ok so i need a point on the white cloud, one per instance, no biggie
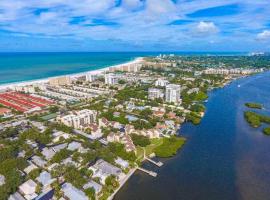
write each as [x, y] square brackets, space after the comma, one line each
[132, 4]
[137, 21]
[265, 35]
[205, 28]
[160, 6]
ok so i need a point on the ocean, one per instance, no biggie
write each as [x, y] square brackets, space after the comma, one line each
[20, 67]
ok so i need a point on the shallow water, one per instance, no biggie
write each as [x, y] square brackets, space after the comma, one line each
[17, 67]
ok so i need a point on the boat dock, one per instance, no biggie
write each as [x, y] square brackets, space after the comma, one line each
[159, 164]
[151, 173]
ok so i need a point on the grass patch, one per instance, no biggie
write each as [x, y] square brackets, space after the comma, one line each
[169, 147]
[154, 144]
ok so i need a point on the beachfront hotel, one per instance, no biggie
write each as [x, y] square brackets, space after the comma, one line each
[173, 93]
[60, 81]
[111, 79]
[90, 77]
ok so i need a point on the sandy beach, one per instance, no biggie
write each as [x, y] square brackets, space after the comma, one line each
[76, 75]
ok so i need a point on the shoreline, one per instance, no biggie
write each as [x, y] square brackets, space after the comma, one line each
[6, 86]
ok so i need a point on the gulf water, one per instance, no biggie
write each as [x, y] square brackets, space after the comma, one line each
[18, 67]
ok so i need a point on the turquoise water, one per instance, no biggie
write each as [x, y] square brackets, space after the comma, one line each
[18, 67]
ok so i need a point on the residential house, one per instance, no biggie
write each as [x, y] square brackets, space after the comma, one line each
[48, 153]
[74, 146]
[103, 169]
[124, 164]
[31, 167]
[95, 131]
[92, 184]
[113, 137]
[45, 179]
[28, 189]
[39, 161]
[129, 145]
[59, 134]
[73, 193]
[16, 196]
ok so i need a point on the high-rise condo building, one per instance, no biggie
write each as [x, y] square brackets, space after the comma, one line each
[173, 93]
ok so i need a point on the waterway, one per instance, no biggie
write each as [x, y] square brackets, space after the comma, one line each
[223, 159]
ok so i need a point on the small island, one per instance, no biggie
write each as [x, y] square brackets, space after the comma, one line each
[266, 131]
[255, 120]
[254, 105]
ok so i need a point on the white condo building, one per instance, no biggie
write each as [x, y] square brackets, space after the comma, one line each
[173, 93]
[161, 82]
[111, 79]
[90, 77]
[60, 81]
[155, 93]
[79, 119]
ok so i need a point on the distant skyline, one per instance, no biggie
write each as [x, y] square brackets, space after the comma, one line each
[134, 25]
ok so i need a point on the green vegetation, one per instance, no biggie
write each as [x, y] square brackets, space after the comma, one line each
[90, 193]
[253, 105]
[53, 109]
[197, 108]
[140, 140]
[119, 150]
[193, 97]
[75, 177]
[194, 117]
[139, 92]
[61, 155]
[34, 135]
[169, 146]
[255, 120]
[144, 124]
[111, 181]
[9, 132]
[266, 131]
[109, 116]
[34, 173]
[9, 168]
[61, 127]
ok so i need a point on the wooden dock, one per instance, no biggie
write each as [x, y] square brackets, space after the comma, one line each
[151, 173]
[159, 164]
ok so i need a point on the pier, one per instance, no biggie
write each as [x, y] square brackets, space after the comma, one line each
[151, 173]
[159, 164]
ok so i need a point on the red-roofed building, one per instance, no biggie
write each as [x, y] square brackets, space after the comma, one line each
[4, 111]
[23, 102]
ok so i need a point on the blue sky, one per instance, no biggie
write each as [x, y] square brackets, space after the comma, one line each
[134, 25]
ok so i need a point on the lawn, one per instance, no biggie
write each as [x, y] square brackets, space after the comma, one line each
[169, 147]
[162, 147]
